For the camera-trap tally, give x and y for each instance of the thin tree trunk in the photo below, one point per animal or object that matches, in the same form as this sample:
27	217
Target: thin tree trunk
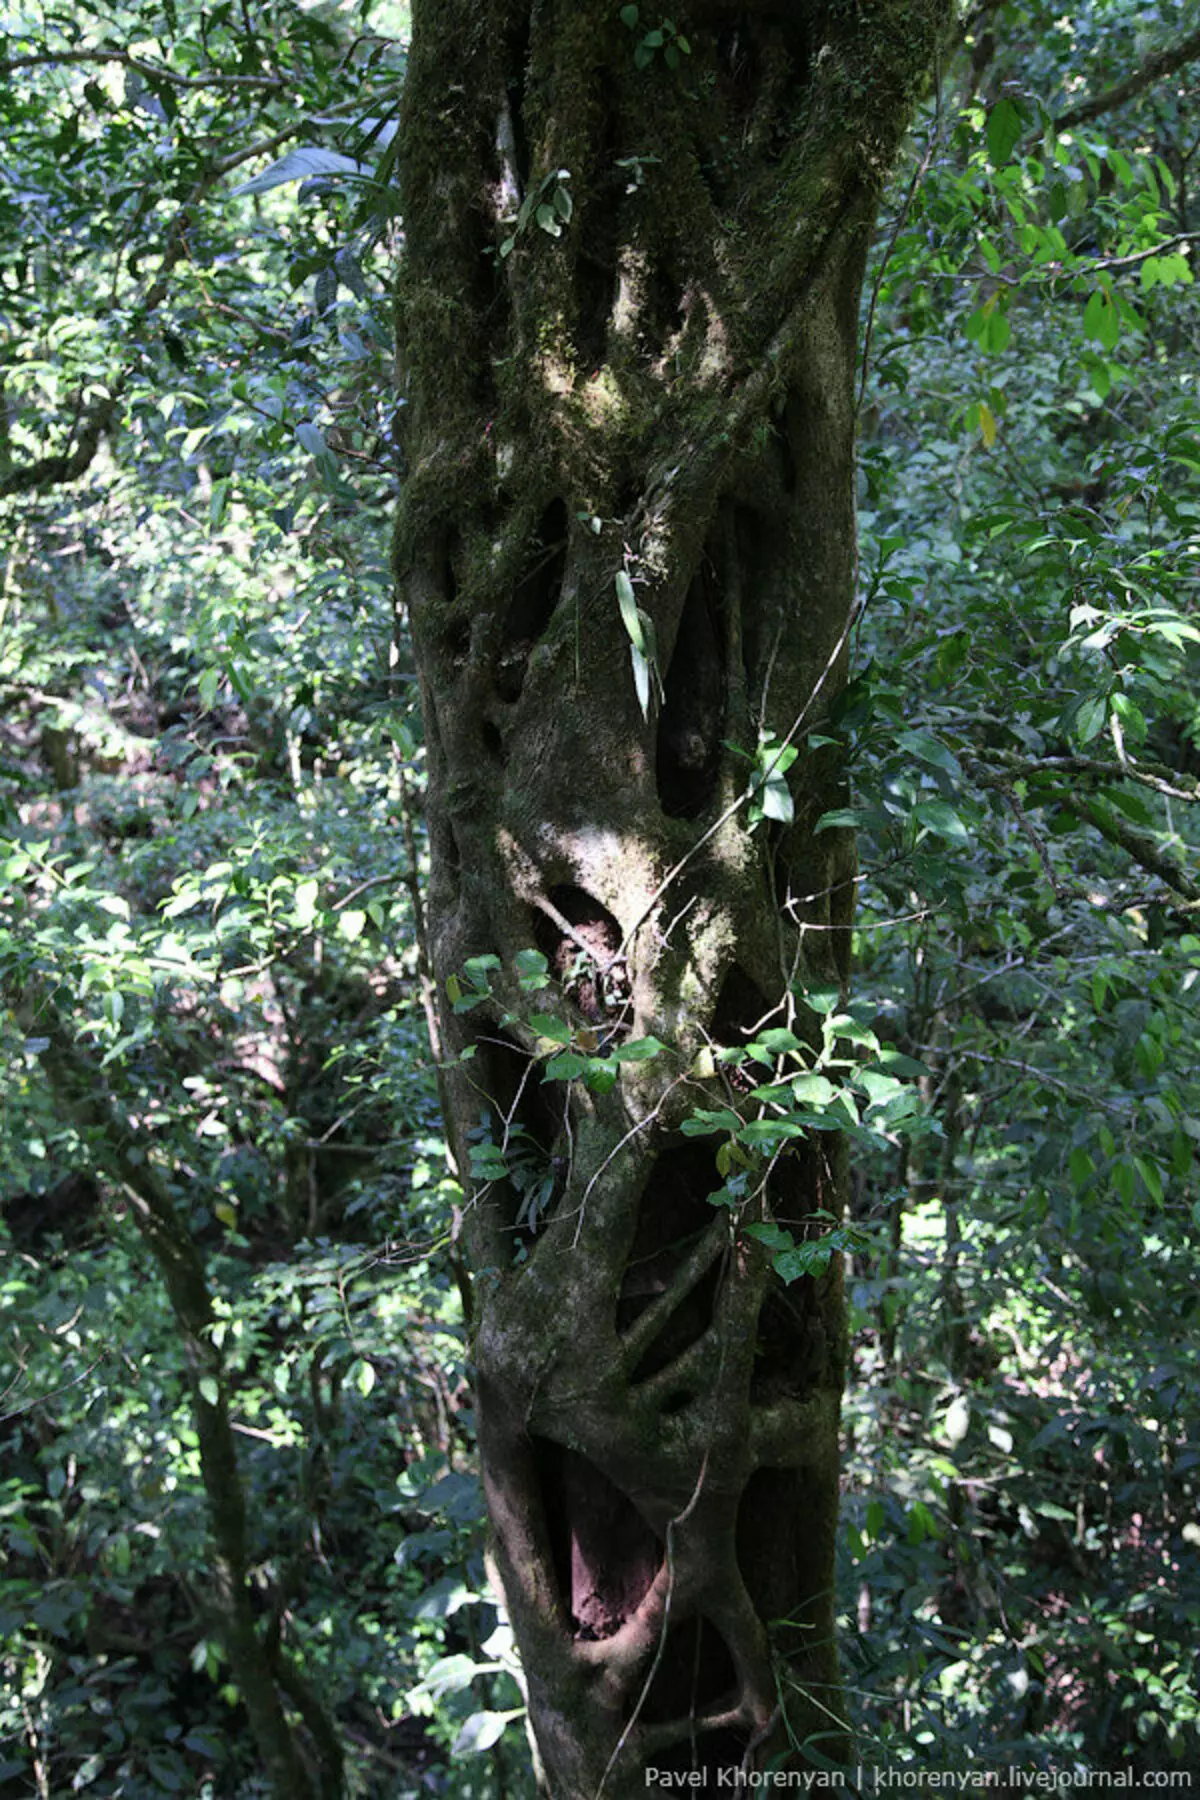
627	316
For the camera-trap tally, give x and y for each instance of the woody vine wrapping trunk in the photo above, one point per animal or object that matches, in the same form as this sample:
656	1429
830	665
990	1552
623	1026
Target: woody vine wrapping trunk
628	313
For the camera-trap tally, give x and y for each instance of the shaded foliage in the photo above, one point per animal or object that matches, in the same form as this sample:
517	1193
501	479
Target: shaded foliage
210	935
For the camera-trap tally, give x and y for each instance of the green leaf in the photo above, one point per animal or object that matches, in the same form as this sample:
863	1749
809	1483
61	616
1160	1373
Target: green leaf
480	1732
703	1122
547	1026
1101	320
639	1050
641	679
778	1040
1151	1175
776	801
301	165
940	817
1004	129
1090	717
350	925
630	617
306	903
812	1090
629	16
841	818
533	970
209	1391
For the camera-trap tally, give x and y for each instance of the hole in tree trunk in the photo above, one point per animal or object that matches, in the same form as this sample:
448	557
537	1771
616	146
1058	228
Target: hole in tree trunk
775	1551
741	1009
711	1753
448	577
605	1554
581	959
692	718
493	743
695	1675
534	598
791	1353
597	226
535	1174
673	1212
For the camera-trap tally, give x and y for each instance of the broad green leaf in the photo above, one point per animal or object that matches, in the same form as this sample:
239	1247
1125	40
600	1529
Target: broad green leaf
300	165
630	617
940	817
1101	320
1004	129
306	903
547	1026
481	1731
641	679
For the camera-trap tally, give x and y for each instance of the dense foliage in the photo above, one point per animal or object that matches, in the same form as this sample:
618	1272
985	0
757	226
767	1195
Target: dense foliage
214	1001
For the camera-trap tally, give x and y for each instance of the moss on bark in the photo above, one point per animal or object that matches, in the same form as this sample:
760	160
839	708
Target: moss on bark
660	387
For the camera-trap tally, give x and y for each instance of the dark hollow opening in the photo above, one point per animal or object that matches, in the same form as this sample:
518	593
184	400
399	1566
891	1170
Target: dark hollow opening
663	314
448	578
605	1554
691	720
713	1753
534	597
523	1108
773	1556
596	266
493	743
741	1006
695	1675
673	1212
583	961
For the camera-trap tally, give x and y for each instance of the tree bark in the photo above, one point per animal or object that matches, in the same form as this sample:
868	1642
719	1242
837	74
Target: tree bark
627	322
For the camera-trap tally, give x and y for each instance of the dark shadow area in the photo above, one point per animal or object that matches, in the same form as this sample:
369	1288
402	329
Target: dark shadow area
534	599
605	1555
691	721
696	1675
674	1211
741	1005
582	960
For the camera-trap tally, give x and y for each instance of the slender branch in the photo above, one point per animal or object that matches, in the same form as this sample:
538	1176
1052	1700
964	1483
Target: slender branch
1141	847
1162	62
1155	778
918	176
44	59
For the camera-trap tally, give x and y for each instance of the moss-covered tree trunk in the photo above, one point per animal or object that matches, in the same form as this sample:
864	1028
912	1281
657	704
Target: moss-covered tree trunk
628	314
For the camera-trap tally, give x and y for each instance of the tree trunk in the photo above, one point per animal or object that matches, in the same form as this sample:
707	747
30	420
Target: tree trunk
627	322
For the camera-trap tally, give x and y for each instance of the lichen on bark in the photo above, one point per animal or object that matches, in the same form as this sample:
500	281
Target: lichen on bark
652	379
